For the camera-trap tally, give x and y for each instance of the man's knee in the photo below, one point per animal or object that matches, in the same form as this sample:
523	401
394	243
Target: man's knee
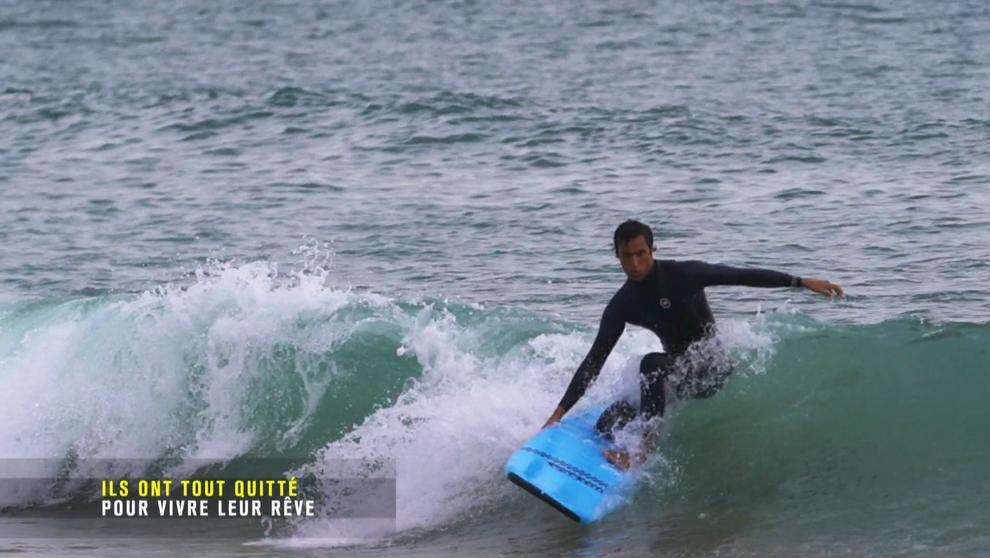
615	417
654	371
656	362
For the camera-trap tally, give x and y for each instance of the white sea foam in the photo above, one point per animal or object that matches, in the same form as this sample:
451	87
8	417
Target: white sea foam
105	381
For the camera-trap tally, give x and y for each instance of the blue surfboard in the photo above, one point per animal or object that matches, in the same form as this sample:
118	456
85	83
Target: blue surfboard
563	466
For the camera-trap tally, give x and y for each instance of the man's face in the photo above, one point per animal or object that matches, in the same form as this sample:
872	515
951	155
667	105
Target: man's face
636	258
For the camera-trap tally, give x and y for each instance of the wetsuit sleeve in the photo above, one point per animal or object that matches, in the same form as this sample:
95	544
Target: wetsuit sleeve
609	331
708	275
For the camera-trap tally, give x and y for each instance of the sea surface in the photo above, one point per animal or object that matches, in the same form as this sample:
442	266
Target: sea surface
380	233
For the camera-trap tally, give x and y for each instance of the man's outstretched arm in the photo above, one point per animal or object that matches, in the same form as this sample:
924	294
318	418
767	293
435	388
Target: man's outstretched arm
611	327
718	274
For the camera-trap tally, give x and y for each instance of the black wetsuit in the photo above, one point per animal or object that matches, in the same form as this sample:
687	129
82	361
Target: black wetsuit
671	303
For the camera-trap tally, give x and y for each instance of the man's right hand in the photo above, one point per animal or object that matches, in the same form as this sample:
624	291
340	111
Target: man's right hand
555	417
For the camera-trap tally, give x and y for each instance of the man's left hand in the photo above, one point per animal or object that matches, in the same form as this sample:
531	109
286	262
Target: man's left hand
823	287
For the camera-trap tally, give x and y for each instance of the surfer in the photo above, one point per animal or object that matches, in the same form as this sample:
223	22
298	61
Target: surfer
668	298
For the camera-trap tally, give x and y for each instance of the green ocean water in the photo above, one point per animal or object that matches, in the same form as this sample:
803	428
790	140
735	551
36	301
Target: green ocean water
381	232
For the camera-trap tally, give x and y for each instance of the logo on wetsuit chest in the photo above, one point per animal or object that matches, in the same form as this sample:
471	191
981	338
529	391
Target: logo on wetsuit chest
664	302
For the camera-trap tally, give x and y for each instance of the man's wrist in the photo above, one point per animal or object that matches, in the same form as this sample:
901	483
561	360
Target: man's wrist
796	281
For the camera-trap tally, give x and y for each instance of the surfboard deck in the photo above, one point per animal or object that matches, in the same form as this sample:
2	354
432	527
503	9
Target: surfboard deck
563	466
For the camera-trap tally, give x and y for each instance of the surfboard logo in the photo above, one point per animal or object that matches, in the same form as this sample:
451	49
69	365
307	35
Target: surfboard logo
578	474
664	302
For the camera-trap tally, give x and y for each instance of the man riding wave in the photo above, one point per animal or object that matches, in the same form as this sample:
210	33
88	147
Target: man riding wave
666	297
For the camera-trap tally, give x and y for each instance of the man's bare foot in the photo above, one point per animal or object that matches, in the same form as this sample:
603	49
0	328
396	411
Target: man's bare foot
618	458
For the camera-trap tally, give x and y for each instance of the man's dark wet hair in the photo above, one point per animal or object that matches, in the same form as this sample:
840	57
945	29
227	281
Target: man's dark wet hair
630	230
